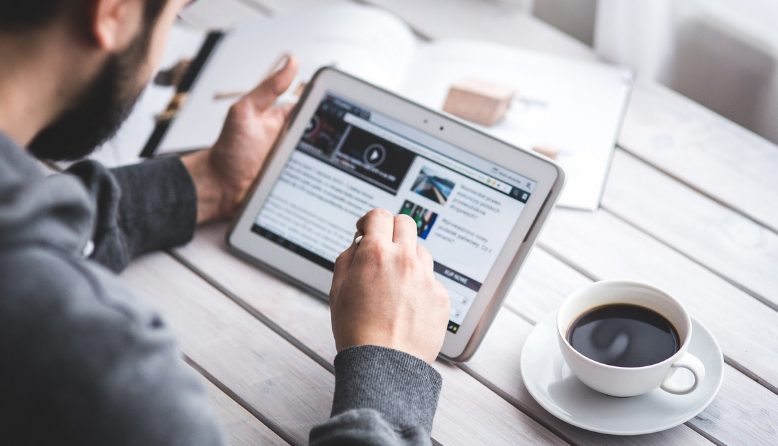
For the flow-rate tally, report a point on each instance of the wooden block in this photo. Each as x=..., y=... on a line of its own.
x=478, y=101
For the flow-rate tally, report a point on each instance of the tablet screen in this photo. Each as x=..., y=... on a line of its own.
x=351, y=159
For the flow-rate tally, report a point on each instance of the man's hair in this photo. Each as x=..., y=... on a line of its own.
x=28, y=15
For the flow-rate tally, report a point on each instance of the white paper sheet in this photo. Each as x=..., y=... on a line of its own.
x=575, y=107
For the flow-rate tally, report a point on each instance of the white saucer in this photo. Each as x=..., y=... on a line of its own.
x=550, y=381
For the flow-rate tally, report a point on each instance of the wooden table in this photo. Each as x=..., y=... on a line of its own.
x=690, y=206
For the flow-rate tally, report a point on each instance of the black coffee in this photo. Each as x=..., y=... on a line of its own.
x=624, y=335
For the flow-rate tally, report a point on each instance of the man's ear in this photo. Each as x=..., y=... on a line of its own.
x=114, y=23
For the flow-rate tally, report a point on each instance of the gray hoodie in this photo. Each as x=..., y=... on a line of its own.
x=82, y=361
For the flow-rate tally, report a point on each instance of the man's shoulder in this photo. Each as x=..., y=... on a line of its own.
x=38, y=279
x=58, y=310
x=46, y=285
x=83, y=357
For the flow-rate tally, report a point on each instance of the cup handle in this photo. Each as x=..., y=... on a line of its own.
x=690, y=363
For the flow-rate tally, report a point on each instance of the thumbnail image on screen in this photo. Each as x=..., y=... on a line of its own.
x=432, y=186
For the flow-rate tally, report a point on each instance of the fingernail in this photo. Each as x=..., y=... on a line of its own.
x=283, y=62
x=280, y=64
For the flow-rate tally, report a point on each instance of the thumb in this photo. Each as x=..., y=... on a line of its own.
x=264, y=95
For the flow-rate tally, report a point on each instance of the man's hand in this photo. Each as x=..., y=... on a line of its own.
x=384, y=291
x=223, y=174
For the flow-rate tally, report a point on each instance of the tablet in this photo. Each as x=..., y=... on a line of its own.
x=350, y=147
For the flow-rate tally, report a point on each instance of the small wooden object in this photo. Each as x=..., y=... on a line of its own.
x=478, y=101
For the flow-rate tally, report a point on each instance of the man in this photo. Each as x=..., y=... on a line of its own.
x=85, y=363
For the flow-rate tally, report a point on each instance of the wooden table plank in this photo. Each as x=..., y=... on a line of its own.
x=733, y=246
x=467, y=409
x=289, y=390
x=241, y=427
x=744, y=412
x=605, y=247
x=542, y=278
x=704, y=150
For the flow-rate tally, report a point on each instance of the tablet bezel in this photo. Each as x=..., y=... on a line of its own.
x=547, y=175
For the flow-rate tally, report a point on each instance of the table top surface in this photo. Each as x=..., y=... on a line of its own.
x=690, y=206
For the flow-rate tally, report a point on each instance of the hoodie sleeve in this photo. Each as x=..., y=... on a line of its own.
x=138, y=208
x=382, y=397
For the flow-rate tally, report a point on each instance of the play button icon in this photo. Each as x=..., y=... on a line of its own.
x=375, y=154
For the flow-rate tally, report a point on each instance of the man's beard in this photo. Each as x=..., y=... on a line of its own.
x=99, y=112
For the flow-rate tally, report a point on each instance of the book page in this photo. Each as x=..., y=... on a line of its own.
x=363, y=41
x=572, y=106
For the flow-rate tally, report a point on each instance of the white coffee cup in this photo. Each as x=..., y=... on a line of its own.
x=628, y=381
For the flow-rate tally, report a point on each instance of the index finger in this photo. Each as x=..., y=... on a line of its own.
x=274, y=85
x=377, y=224
x=405, y=230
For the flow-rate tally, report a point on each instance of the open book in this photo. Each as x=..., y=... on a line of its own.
x=575, y=107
